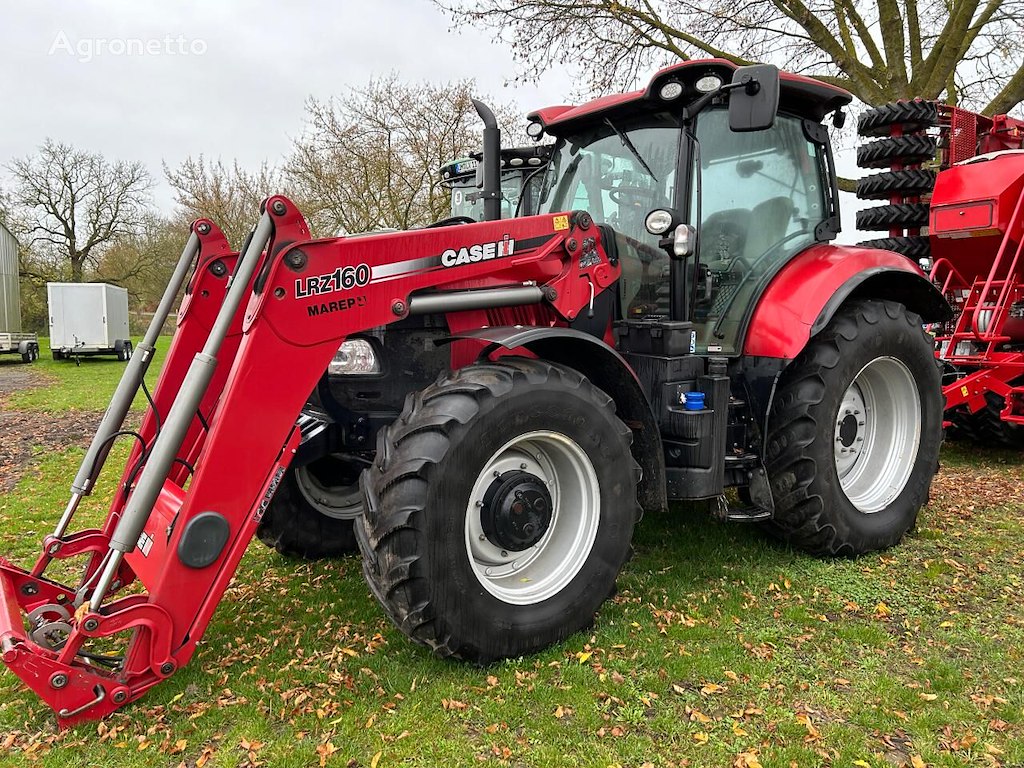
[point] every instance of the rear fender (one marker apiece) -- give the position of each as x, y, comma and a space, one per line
606, 369
801, 300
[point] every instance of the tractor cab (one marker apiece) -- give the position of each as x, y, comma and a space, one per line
520, 182
751, 198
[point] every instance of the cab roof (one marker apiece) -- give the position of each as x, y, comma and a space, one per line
798, 95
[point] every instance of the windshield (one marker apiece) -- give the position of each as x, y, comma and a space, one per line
762, 198
465, 202
598, 172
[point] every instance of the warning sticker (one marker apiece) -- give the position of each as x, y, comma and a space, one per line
965, 391
145, 543
561, 223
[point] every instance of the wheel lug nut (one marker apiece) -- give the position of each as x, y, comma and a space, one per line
523, 465
860, 423
504, 553
497, 473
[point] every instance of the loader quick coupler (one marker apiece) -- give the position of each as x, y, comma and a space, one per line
175, 530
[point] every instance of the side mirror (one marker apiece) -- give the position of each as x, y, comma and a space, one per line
753, 106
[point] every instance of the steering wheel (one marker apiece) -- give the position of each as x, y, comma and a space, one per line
617, 194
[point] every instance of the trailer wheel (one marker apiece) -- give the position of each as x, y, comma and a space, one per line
854, 432
913, 115
312, 513
915, 248
909, 150
986, 427
900, 215
500, 510
910, 183
123, 349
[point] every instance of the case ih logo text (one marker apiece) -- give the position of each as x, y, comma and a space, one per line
341, 279
479, 252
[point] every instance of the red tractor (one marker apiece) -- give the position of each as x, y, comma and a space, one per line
961, 175
510, 394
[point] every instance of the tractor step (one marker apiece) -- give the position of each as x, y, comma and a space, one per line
747, 515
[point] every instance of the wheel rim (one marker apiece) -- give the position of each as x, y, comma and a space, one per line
342, 502
877, 434
544, 568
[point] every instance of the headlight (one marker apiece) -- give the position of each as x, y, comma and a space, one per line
708, 83
355, 357
658, 221
673, 89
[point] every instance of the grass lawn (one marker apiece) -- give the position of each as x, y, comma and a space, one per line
721, 648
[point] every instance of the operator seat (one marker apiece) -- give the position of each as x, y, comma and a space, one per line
723, 237
772, 218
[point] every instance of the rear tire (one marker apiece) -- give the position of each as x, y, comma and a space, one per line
311, 518
868, 382
496, 579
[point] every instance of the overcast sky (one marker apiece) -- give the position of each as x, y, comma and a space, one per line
225, 78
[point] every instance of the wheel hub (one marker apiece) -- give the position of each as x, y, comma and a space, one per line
848, 430
877, 434
517, 511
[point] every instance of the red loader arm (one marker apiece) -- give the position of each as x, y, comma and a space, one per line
222, 427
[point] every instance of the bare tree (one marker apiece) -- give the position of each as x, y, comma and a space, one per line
228, 195
143, 262
961, 50
370, 159
68, 205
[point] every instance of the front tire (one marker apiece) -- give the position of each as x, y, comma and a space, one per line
854, 432
312, 514
500, 510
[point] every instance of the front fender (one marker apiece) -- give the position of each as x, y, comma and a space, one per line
802, 298
607, 370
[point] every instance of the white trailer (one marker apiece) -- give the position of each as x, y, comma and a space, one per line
88, 319
12, 340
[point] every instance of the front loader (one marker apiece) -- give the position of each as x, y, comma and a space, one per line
510, 394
